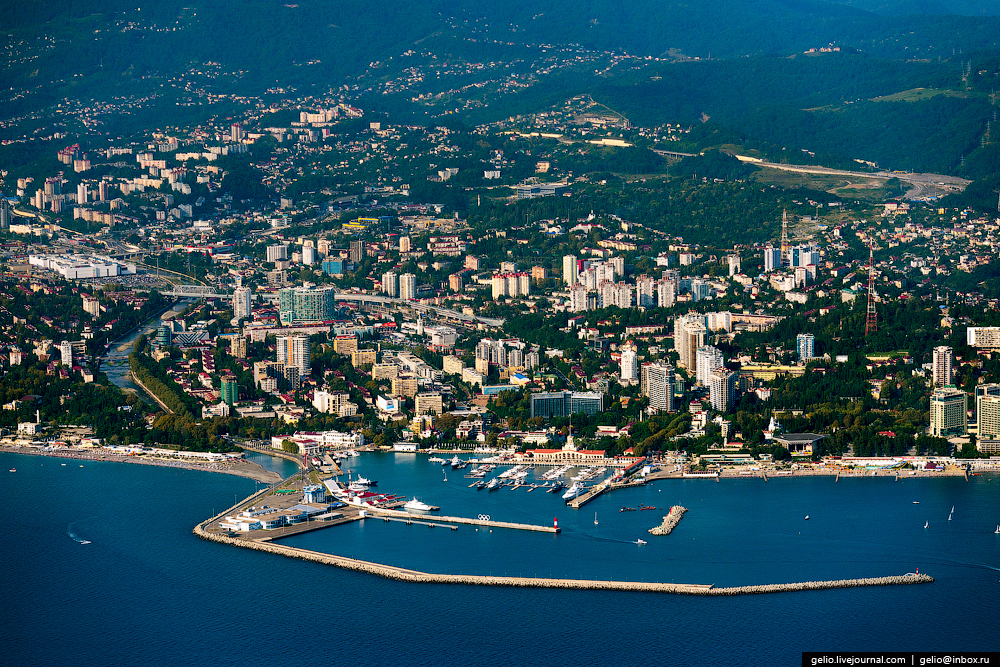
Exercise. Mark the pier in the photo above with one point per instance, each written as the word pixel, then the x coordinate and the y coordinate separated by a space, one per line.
pixel 415 576
pixel 379 512
pixel 604 486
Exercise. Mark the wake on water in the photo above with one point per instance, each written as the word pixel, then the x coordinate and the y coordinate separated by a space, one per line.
pixel 72 533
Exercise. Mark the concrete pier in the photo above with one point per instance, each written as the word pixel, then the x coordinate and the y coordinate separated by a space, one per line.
pixel 378 512
pixel 604 486
pixel 415 576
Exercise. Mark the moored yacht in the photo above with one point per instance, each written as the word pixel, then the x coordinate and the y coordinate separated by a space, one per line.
pixel 573 491
pixel 415 505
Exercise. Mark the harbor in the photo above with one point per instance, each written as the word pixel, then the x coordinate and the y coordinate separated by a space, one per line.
pixel 306 503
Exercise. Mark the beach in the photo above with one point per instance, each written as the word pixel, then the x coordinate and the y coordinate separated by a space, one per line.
pixel 240 468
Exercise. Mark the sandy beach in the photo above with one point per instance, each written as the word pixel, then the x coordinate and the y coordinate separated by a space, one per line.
pixel 240 468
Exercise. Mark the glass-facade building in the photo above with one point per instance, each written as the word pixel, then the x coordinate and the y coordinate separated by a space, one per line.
pixel 565 403
pixel 306 304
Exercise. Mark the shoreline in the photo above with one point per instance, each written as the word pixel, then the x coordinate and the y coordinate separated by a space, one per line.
pixel 246 469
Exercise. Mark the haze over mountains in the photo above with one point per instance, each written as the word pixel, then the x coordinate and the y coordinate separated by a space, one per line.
pixel 909 88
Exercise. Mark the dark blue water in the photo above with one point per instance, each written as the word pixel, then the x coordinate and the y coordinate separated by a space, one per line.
pixel 145 591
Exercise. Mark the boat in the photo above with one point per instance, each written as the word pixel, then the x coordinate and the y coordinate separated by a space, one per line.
pixel 365 481
pixel 480 485
pixel 13 469
pixel 557 486
pixel 640 541
pixel 952 509
pixel 595 518
pixel 437 459
pixel 997 531
pixel 926 523
pixel 81 465
pixel 455 462
pixel 916 502
pixel 415 505
pixel 807 517
pixel 573 491
pixel 493 484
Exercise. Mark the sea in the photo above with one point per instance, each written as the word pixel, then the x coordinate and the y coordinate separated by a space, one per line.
pixel 99 567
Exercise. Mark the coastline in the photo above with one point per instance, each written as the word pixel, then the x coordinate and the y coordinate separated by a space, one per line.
pixel 245 469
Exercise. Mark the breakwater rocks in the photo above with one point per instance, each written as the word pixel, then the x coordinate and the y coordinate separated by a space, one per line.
pixel 670 521
pixel 414 576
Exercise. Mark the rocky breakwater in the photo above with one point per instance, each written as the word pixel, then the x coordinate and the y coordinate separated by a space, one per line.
pixel 822 585
pixel 670 521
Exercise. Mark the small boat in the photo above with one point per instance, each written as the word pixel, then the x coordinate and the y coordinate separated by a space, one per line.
pixel 807 517
pixel 952 509
pixel 493 484
pixel 415 505
pixel 84 541
pixel 595 518
pixel 926 523
pixel 13 469
pixel 916 502
pixel 480 485
pixel 640 541
pixel 437 459
pixel 81 465
pixel 997 531
pixel 62 464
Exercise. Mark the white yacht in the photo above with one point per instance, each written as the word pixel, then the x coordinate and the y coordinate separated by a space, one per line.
pixel 415 505
pixel 365 481
pixel 640 541
pixel 573 491
pixel 493 484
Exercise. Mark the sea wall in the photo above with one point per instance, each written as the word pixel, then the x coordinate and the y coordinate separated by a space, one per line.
pixel 403 574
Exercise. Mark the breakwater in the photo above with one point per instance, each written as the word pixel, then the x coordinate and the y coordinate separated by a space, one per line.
pixel 670 521
pixel 414 576
pixel 484 521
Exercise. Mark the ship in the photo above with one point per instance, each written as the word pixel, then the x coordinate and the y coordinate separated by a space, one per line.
pixel 493 484
pixel 573 491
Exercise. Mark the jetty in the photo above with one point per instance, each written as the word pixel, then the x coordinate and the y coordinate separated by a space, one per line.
pixel 416 576
pixel 485 521
pixel 603 487
pixel 670 521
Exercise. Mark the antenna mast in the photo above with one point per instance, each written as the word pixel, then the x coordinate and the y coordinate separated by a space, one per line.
pixel 871 323
pixel 784 238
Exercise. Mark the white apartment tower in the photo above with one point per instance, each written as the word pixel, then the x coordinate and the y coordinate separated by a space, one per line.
pixel 571 271
pixel 942 366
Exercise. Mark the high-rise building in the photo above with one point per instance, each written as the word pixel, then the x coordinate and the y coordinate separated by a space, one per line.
pixel 236 133
pixel 571 271
pixel 948 412
pixel 66 354
pixel 277 253
pixel 390 284
pixel 238 347
pixel 294 351
pixel 805 346
pixel 242 298
pixel 309 255
pixel 629 363
pixel 230 391
pixel 455 282
pixel 408 286
pixel 644 291
pixel 306 304
pixel 722 389
pixel 81 194
pixel 577 298
pixel 4 213
pixel 357 251
pixel 689 335
pixel 707 359
pixel 658 385
pixel 404 244
pixel 772 259
pixel 91 305
pixel 988 411
pixel 941 366
pixel 565 403
pixel 102 191
pixel 666 293
pixel 700 289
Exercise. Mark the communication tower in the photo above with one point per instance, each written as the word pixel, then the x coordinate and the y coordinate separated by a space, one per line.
pixel 871 323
